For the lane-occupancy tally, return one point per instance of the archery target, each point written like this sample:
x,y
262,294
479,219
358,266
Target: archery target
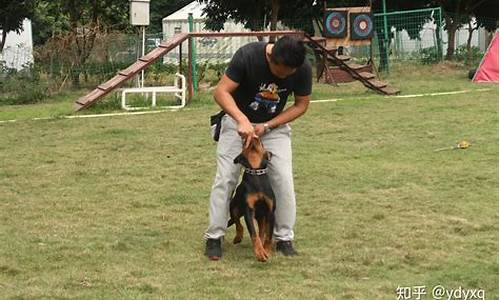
x,y
335,24
361,26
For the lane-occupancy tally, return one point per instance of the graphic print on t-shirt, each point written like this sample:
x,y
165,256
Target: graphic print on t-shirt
x,y
267,98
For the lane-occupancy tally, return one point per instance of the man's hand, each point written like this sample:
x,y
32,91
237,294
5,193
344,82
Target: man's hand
x,y
260,130
246,131
224,98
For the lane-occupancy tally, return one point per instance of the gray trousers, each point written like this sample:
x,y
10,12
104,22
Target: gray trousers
x,y
229,146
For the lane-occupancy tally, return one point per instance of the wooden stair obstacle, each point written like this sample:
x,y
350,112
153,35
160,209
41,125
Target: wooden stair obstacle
x,y
356,71
343,27
327,68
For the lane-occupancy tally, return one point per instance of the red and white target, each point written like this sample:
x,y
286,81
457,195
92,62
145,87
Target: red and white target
x,y
361,26
335,24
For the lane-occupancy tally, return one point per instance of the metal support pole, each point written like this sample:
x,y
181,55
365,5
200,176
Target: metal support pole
x,y
439,34
193,54
143,51
180,58
190,71
177,30
386,34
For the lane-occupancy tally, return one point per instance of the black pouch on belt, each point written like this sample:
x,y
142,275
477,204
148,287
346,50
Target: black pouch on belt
x,y
215,124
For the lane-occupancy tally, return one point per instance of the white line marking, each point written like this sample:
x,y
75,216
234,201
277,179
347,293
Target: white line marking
x,y
409,96
97,116
171,110
120,114
326,100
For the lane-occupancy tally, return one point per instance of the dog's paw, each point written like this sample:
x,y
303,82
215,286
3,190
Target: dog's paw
x,y
261,255
237,239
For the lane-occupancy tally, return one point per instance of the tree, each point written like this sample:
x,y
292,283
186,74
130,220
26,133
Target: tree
x,y
311,13
87,18
486,14
12,15
456,13
459,12
48,21
159,9
254,15
258,15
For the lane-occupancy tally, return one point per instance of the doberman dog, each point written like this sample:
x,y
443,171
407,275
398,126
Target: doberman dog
x,y
254,200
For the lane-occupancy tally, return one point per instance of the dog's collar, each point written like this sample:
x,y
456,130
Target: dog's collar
x,y
257,172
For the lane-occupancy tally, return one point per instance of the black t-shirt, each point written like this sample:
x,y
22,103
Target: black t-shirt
x,y
261,95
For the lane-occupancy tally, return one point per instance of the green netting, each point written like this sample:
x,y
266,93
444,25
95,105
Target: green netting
x,y
414,35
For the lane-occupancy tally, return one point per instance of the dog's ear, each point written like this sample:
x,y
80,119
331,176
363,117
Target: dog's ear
x,y
238,159
241,159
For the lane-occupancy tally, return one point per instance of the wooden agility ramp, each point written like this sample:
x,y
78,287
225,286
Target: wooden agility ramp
x,y
122,76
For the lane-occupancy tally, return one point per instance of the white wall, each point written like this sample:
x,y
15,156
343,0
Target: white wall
x,y
213,49
18,49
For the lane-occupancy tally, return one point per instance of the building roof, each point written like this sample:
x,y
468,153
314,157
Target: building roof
x,y
194,7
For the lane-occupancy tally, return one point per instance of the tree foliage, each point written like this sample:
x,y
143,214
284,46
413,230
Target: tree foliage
x,y
460,12
254,14
77,23
159,9
48,21
258,15
52,18
486,14
86,19
12,14
311,13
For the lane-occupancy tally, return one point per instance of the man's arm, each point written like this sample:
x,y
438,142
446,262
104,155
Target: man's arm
x,y
223,97
298,108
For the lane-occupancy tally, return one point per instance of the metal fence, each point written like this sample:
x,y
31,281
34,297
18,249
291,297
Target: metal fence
x,y
404,35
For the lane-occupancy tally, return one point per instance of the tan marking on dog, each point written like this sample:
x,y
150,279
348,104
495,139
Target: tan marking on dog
x,y
252,199
236,215
269,202
258,249
262,229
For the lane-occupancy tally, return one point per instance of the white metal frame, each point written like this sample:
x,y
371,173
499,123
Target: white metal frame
x,y
179,92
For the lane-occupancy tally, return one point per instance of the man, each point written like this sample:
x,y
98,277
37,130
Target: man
x,y
253,93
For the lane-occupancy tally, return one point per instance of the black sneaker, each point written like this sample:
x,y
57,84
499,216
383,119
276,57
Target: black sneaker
x,y
213,249
286,248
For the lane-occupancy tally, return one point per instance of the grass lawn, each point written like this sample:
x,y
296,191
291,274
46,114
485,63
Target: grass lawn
x,y
115,208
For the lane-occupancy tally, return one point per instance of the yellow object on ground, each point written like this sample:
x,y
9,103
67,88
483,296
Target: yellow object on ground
x,y
461,145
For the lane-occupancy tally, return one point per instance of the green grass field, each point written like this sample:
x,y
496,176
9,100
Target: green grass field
x,y
116,207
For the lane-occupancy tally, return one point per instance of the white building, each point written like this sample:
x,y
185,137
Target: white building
x,y
18,49
216,49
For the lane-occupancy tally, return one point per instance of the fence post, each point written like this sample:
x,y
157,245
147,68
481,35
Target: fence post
x,y
439,35
386,35
193,54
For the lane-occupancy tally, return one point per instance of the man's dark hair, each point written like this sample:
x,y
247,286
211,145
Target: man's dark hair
x,y
288,51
